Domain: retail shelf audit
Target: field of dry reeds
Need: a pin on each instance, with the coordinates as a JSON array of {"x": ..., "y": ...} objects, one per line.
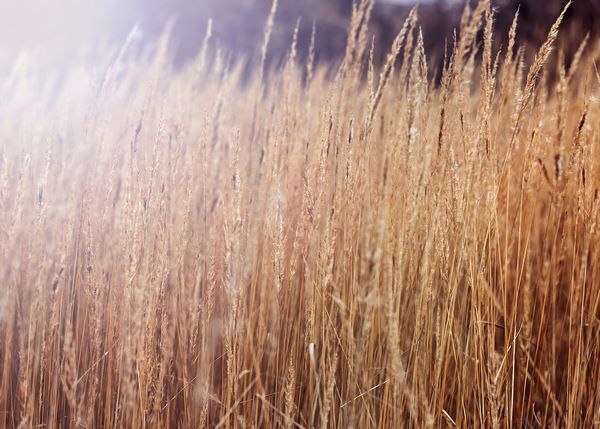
[{"x": 308, "y": 246}]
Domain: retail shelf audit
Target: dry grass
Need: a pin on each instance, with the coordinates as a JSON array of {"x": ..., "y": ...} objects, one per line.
[{"x": 308, "y": 249}]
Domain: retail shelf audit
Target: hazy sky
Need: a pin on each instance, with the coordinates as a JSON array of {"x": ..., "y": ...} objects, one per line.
[{"x": 57, "y": 31}]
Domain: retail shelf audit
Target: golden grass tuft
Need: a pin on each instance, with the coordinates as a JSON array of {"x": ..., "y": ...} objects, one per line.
[{"x": 301, "y": 248}]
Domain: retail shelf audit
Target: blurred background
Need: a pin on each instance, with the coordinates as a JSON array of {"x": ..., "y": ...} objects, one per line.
[{"x": 58, "y": 33}]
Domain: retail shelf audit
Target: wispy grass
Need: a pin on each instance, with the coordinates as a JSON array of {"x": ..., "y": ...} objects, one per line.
[{"x": 305, "y": 249}]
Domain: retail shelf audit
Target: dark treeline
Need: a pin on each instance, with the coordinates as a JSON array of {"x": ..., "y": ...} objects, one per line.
[{"x": 238, "y": 24}]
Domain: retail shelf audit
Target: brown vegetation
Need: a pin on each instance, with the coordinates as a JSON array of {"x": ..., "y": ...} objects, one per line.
[{"x": 356, "y": 249}]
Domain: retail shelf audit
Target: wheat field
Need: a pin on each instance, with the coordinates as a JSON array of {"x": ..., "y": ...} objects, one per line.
[{"x": 334, "y": 246}]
